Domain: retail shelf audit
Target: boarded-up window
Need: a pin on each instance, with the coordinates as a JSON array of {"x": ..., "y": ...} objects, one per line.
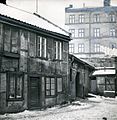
[
  {"x": 14, "y": 41},
  {"x": 50, "y": 86},
  {"x": 59, "y": 84},
  {"x": 24, "y": 40},
  {"x": 9, "y": 64},
  {"x": 11, "y": 39},
  {"x": 23, "y": 61},
  {"x": 32, "y": 44},
  {"x": 41, "y": 47},
  {"x": 7, "y": 32},
  {"x": 15, "y": 85}
]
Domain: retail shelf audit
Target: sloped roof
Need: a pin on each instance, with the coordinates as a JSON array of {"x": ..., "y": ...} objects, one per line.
[
  {"x": 82, "y": 61},
  {"x": 104, "y": 71},
  {"x": 30, "y": 18}
]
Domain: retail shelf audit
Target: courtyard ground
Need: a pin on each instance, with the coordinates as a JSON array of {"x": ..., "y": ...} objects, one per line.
[{"x": 93, "y": 108}]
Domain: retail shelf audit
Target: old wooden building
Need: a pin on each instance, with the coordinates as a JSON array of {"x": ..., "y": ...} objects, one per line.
[
  {"x": 79, "y": 77},
  {"x": 33, "y": 61},
  {"x": 104, "y": 81}
]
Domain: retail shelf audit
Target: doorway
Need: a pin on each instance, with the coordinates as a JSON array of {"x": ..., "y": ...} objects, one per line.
[
  {"x": 77, "y": 79},
  {"x": 34, "y": 92}
]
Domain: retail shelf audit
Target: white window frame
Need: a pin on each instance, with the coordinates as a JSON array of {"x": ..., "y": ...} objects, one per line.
[
  {"x": 81, "y": 18},
  {"x": 71, "y": 18},
  {"x": 72, "y": 31},
  {"x": 96, "y": 32},
  {"x": 81, "y": 48},
  {"x": 71, "y": 48},
  {"x": 112, "y": 17},
  {"x": 40, "y": 47},
  {"x": 112, "y": 32},
  {"x": 58, "y": 50},
  {"x": 81, "y": 33},
  {"x": 96, "y": 18},
  {"x": 97, "y": 47}
]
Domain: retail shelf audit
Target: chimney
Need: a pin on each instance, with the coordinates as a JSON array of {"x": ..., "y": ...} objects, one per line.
[
  {"x": 70, "y": 6},
  {"x": 106, "y": 3}
]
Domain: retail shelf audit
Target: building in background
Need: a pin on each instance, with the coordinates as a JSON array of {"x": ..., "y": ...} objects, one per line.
[{"x": 94, "y": 33}]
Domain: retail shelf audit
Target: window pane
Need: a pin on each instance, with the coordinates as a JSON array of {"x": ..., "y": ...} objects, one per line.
[
  {"x": 19, "y": 86},
  {"x": 47, "y": 92},
  {"x": 52, "y": 86},
  {"x": 52, "y": 92},
  {"x": 47, "y": 86},
  {"x": 48, "y": 80},
  {"x": 12, "y": 86}
]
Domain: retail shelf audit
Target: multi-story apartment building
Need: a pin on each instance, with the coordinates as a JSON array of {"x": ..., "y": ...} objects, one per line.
[{"x": 93, "y": 31}]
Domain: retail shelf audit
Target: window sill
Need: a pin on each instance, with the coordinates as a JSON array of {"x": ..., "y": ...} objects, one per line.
[
  {"x": 15, "y": 99},
  {"x": 9, "y": 54},
  {"x": 52, "y": 96},
  {"x": 57, "y": 60}
]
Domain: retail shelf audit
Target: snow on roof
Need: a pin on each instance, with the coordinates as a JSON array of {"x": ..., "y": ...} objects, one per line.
[
  {"x": 104, "y": 72},
  {"x": 30, "y": 18}
]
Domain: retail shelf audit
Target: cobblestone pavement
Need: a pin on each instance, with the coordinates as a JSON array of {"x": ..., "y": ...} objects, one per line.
[{"x": 89, "y": 110}]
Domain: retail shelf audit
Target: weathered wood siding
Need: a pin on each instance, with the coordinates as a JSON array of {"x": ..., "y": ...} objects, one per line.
[{"x": 25, "y": 61}]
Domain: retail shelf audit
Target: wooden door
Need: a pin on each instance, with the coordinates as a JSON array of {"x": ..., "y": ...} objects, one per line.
[
  {"x": 77, "y": 85},
  {"x": 34, "y": 92}
]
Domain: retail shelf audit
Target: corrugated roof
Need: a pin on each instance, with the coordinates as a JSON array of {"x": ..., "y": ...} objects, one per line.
[{"x": 30, "y": 18}]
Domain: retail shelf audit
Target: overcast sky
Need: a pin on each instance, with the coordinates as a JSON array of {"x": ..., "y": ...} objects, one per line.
[{"x": 54, "y": 10}]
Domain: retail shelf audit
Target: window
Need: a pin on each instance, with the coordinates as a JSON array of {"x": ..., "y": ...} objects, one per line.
[
  {"x": 41, "y": 47},
  {"x": 15, "y": 85},
  {"x": 96, "y": 32},
  {"x": 81, "y": 18},
  {"x": 112, "y": 18},
  {"x": 58, "y": 50},
  {"x": 71, "y": 48},
  {"x": 59, "y": 85},
  {"x": 96, "y": 47},
  {"x": 112, "y": 32},
  {"x": 11, "y": 39},
  {"x": 72, "y": 19},
  {"x": 80, "y": 48},
  {"x": 81, "y": 33},
  {"x": 72, "y": 31},
  {"x": 50, "y": 86},
  {"x": 96, "y": 18},
  {"x": 32, "y": 44},
  {"x": 53, "y": 86}
]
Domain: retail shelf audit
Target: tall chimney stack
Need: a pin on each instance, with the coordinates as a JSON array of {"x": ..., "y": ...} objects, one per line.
[{"x": 106, "y": 3}]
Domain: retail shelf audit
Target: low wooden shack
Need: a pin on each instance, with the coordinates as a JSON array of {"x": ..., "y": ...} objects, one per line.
[
  {"x": 79, "y": 77},
  {"x": 33, "y": 61},
  {"x": 104, "y": 82}
]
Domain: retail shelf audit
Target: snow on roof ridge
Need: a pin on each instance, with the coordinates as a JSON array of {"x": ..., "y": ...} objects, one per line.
[
  {"x": 40, "y": 22},
  {"x": 50, "y": 22}
]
